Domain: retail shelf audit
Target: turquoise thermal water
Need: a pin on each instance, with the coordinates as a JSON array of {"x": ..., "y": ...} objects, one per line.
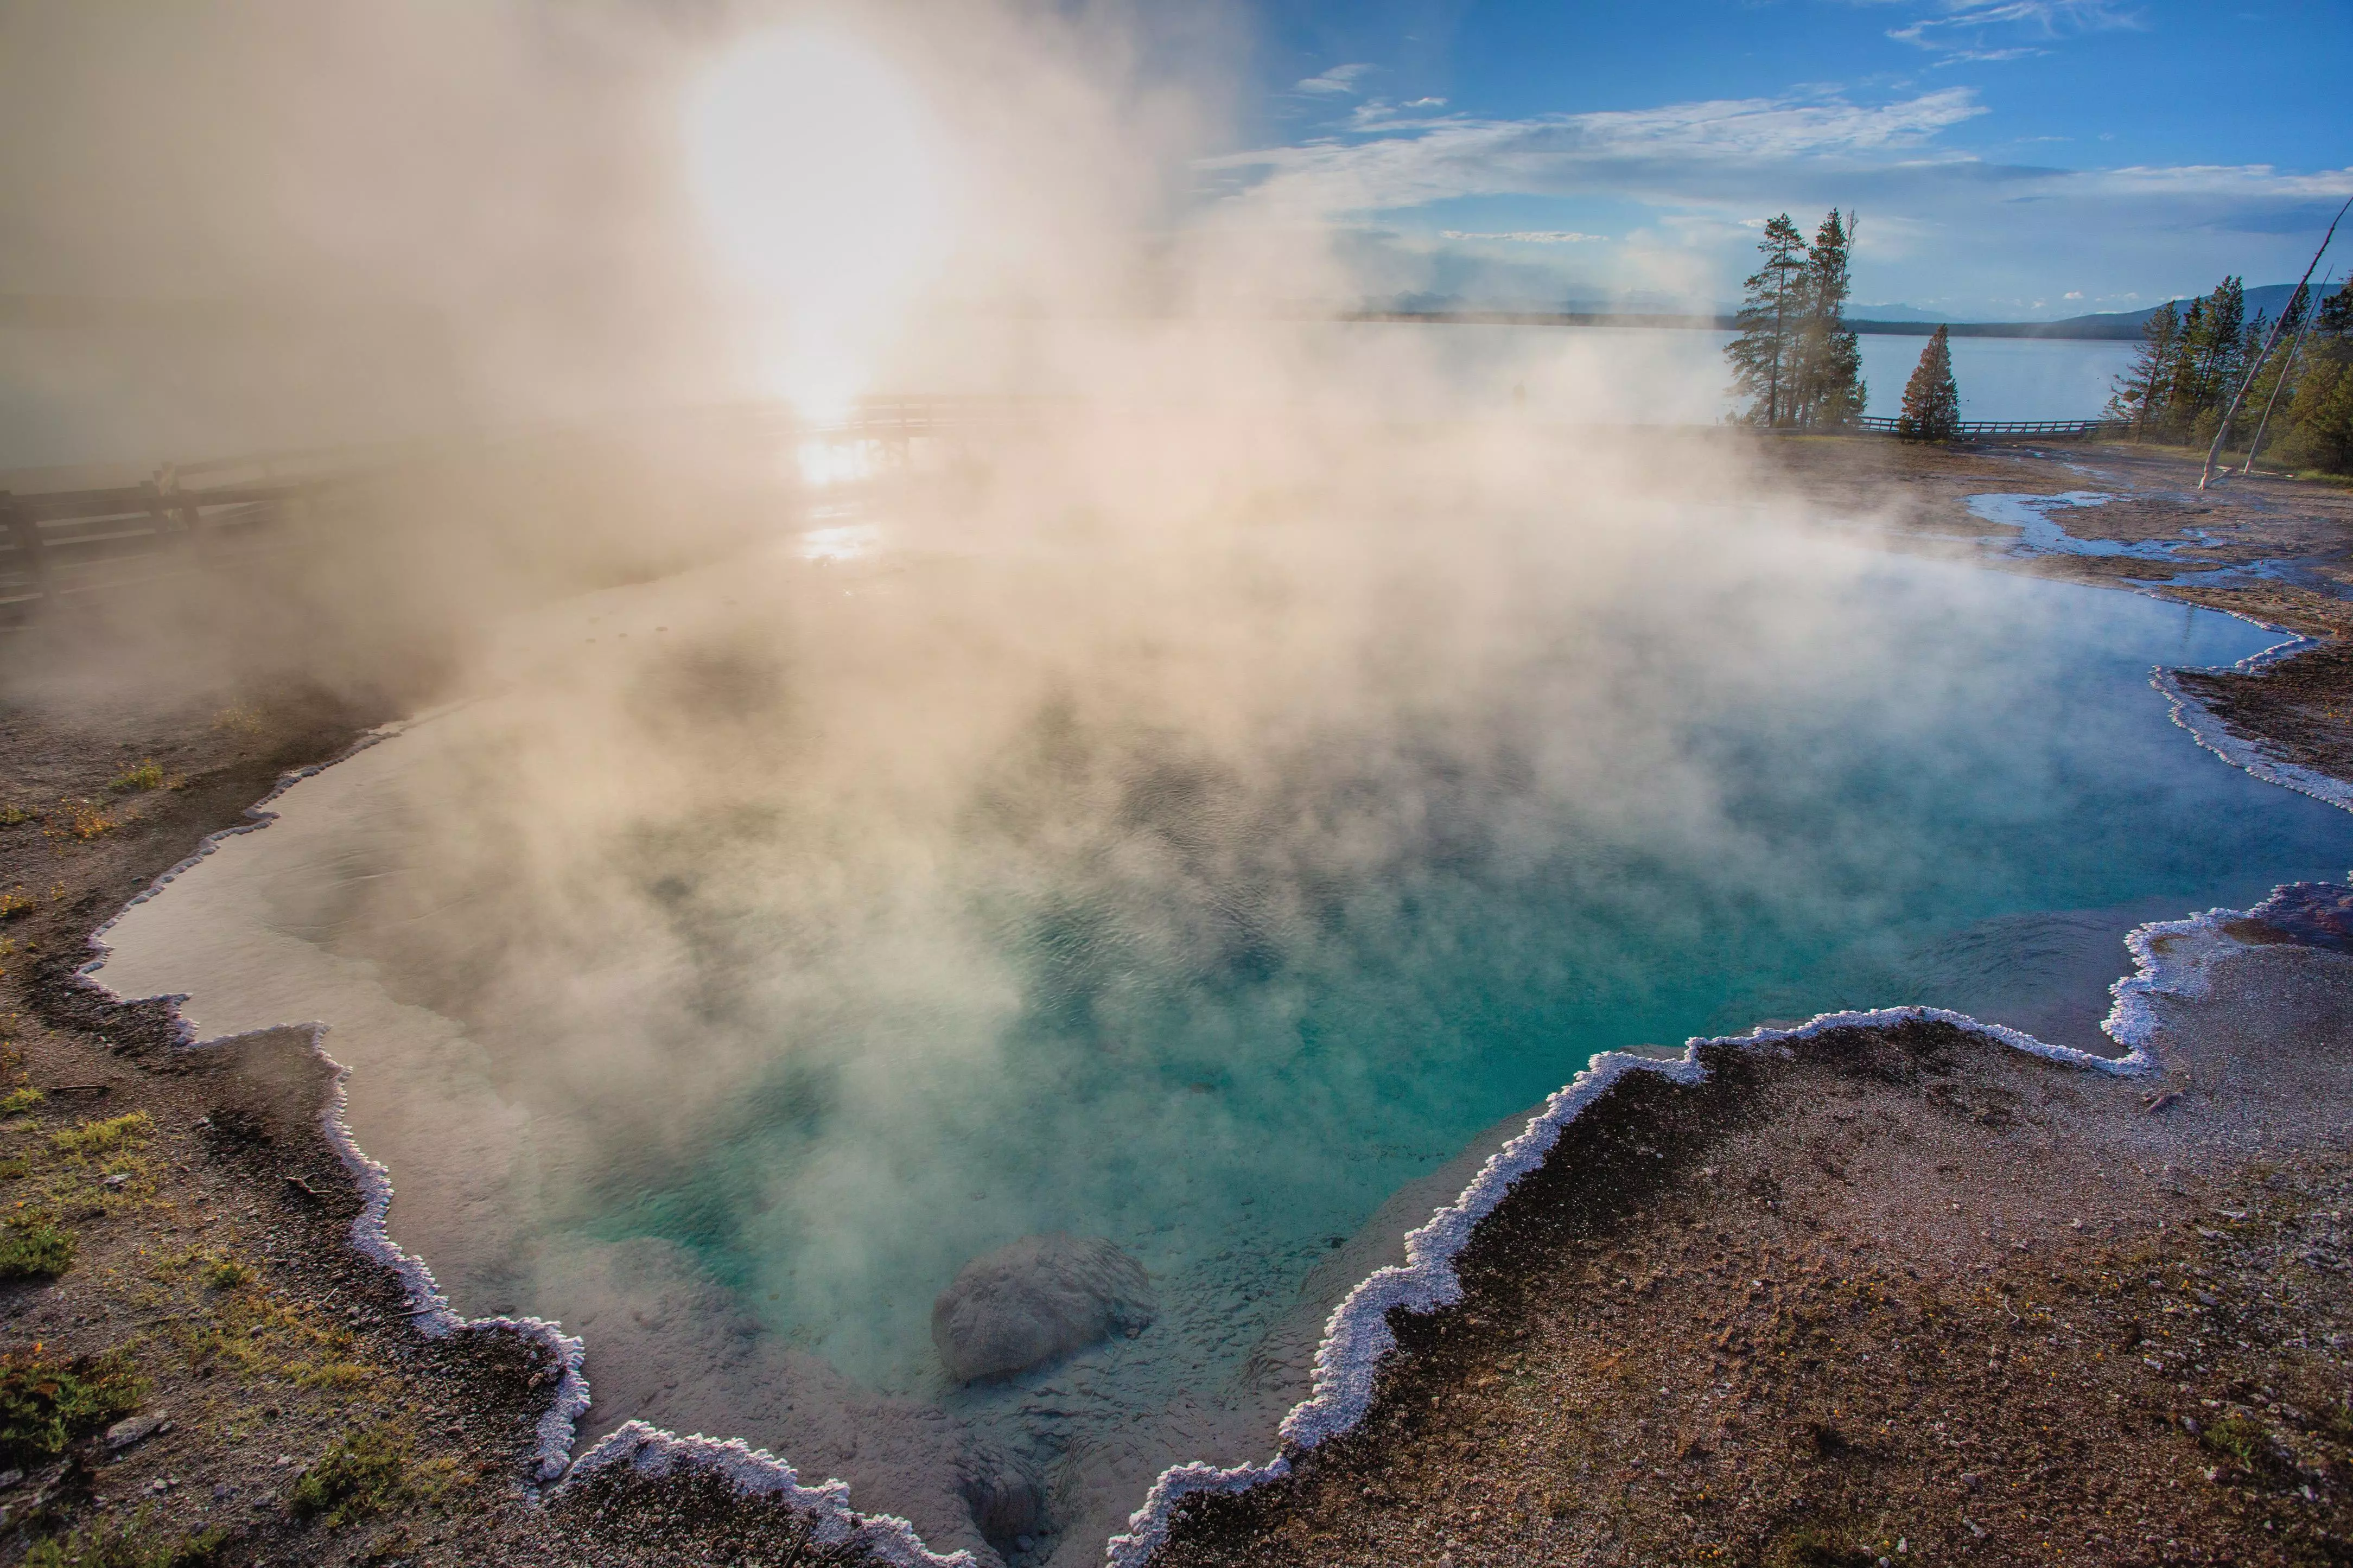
[
  {"x": 1224, "y": 1055},
  {"x": 812, "y": 930}
]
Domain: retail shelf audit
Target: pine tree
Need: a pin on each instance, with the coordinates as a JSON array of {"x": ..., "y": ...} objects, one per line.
[
  {"x": 2279, "y": 374},
  {"x": 1830, "y": 393},
  {"x": 2181, "y": 392},
  {"x": 2320, "y": 421},
  {"x": 2213, "y": 343},
  {"x": 2140, "y": 393},
  {"x": 1763, "y": 356},
  {"x": 1932, "y": 399}
]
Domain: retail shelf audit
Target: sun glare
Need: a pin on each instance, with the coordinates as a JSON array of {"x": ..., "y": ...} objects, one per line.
[{"x": 817, "y": 169}]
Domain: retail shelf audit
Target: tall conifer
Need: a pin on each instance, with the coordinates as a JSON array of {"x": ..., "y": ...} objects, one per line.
[
  {"x": 1830, "y": 358},
  {"x": 1764, "y": 356},
  {"x": 1932, "y": 399}
]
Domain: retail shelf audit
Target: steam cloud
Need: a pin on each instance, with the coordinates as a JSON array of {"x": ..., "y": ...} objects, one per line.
[{"x": 1184, "y": 814}]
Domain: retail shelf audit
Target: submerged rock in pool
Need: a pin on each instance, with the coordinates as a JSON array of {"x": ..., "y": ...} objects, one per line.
[{"x": 1041, "y": 1297}]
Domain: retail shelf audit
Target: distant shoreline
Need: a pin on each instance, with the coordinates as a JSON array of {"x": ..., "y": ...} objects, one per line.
[{"x": 2076, "y": 331}]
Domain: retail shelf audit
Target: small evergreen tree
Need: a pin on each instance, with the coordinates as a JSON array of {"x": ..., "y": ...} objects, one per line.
[
  {"x": 2140, "y": 393},
  {"x": 1932, "y": 399},
  {"x": 1763, "y": 356},
  {"x": 1830, "y": 391}
]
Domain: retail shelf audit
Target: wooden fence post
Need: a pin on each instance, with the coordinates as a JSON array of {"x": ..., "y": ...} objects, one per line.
[{"x": 166, "y": 525}]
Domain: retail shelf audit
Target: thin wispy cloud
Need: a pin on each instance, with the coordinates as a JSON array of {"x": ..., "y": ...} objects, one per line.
[
  {"x": 1337, "y": 81},
  {"x": 1417, "y": 160},
  {"x": 1971, "y": 30},
  {"x": 1526, "y": 236}
]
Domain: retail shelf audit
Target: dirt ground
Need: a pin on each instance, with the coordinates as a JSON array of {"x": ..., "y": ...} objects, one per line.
[{"x": 1903, "y": 1297}]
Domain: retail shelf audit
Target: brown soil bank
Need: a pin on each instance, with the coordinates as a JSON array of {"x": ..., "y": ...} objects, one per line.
[{"x": 1904, "y": 1295}]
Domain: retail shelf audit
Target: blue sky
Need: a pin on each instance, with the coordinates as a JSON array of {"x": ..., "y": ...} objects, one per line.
[{"x": 2010, "y": 158}]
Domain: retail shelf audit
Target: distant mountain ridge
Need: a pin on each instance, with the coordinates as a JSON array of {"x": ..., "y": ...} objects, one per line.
[{"x": 2270, "y": 298}]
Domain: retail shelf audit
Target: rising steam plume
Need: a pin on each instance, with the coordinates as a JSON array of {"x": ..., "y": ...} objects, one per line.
[{"x": 1186, "y": 811}]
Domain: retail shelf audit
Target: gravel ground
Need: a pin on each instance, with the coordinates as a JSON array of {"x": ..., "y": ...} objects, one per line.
[{"x": 1905, "y": 1297}]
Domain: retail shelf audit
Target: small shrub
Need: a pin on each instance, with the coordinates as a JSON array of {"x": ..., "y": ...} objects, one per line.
[
  {"x": 104, "y": 1137},
  {"x": 227, "y": 1274},
  {"x": 35, "y": 1250},
  {"x": 15, "y": 904},
  {"x": 147, "y": 775},
  {"x": 365, "y": 1473},
  {"x": 19, "y": 1099},
  {"x": 88, "y": 820},
  {"x": 2241, "y": 1440},
  {"x": 241, "y": 719},
  {"x": 15, "y": 816},
  {"x": 45, "y": 1406}
]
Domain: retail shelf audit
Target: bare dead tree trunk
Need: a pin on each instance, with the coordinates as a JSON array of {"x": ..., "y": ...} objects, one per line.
[
  {"x": 2206, "y": 475},
  {"x": 2294, "y": 347}
]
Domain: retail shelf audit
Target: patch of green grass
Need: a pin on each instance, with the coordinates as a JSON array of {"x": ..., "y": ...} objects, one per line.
[
  {"x": 104, "y": 1137},
  {"x": 365, "y": 1473},
  {"x": 128, "y": 1543},
  {"x": 226, "y": 1274},
  {"x": 19, "y": 1099},
  {"x": 34, "y": 1247},
  {"x": 47, "y": 1404},
  {"x": 145, "y": 774},
  {"x": 15, "y": 815},
  {"x": 2240, "y": 1439}
]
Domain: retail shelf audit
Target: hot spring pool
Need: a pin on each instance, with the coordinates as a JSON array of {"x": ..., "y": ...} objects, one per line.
[{"x": 759, "y": 946}]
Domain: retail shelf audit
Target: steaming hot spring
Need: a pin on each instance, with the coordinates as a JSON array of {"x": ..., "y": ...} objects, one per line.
[{"x": 955, "y": 994}]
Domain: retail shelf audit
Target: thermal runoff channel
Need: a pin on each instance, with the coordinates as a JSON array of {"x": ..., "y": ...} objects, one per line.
[{"x": 1100, "y": 884}]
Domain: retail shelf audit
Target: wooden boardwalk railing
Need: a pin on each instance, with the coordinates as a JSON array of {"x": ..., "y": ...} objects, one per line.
[
  {"x": 56, "y": 544},
  {"x": 59, "y": 542},
  {"x": 2018, "y": 429}
]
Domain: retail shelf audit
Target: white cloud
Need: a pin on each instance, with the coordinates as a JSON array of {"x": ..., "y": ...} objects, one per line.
[
  {"x": 1526, "y": 236},
  {"x": 1410, "y": 161},
  {"x": 1967, "y": 30},
  {"x": 1938, "y": 219},
  {"x": 1338, "y": 80}
]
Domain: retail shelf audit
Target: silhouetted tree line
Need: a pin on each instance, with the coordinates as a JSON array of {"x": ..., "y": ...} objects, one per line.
[
  {"x": 2190, "y": 362},
  {"x": 1793, "y": 360}
]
